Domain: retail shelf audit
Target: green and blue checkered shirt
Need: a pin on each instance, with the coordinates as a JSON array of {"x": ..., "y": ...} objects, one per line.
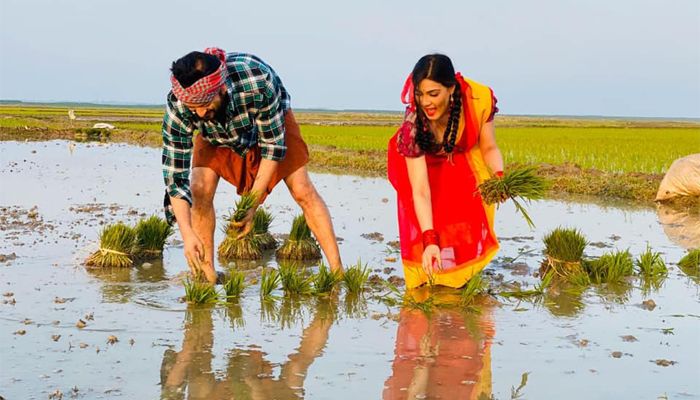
[{"x": 255, "y": 109}]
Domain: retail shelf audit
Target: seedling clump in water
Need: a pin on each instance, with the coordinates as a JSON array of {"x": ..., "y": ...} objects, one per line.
[
  {"x": 151, "y": 235},
  {"x": 117, "y": 244},
  {"x": 247, "y": 247},
  {"x": 300, "y": 245}
]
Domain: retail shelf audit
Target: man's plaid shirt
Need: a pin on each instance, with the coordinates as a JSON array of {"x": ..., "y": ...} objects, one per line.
[{"x": 255, "y": 109}]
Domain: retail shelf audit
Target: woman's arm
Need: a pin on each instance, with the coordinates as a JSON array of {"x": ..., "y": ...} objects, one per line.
[
  {"x": 489, "y": 148},
  {"x": 422, "y": 205}
]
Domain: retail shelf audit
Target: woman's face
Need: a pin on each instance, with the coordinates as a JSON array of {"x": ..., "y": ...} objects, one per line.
[{"x": 433, "y": 98}]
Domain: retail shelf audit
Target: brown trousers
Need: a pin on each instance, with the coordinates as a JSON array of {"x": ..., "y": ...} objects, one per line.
[{"x": 241, "y": 171}]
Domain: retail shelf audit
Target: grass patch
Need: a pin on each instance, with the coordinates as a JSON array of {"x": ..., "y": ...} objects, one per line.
[
  {"x": 117, "y": 244},
  {"x": 151, "y": 235},
  {"x": 690, "y": 264},
  {"x": 300, "y": 245},
  {"x": 269, "y": 282},
  {"x": 476, "y": 286},
  {"x": 518, "y": 184},
  {"x": 612, "y": 267},
  {"x": 234, "y": 285},
  {"x": 199, "y": 292},
  {"x": 355, "y": 278},
  {"x": 650, "y": 265},
  {"x": 564, "y": 250},
  {"x": 538, "y": 290},
  {"x": 325, "y": 280},
  {"x": 294, "y": 279}
]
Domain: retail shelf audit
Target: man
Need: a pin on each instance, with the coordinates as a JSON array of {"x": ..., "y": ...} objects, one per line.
[{"x": 247, "y": 135}]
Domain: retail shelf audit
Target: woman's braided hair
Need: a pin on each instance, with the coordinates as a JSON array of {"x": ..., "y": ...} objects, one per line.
[{"x": 438, "y": 68}]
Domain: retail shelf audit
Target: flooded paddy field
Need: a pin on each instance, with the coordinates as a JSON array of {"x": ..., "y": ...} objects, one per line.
[{"x": 79, "y": 333}]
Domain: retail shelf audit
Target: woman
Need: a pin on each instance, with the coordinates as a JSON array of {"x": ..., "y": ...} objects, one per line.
[{"x": 441, "y": 153}]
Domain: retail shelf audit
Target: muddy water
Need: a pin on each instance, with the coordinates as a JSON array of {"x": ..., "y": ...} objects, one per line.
[{"x": 56, "y": 196}]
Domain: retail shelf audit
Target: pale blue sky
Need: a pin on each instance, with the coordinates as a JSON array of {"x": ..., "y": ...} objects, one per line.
[{"x": 592, "y": 57}]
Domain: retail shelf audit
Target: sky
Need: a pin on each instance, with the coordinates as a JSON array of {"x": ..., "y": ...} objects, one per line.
[{"x": 543, "y": 57}]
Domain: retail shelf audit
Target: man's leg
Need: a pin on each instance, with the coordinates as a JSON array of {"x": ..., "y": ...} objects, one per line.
[
  {"x": 317, "y": 216},
  {"x": 203, "y": 184}
]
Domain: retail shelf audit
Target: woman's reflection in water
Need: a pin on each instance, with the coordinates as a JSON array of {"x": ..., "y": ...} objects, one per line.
[{"x": 442, "y": 355}]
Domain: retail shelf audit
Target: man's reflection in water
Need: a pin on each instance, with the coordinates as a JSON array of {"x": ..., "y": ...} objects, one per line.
[
  {"x": 444, "y": 355},
  {"x": 188, "y": 373}
]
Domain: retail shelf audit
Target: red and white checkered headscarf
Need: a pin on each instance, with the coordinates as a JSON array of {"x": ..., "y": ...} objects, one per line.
[{"x": 204, "y": 90}]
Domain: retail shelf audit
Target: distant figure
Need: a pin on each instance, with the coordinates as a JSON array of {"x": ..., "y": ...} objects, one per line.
[
  {"x": 441, "y": 153},
  {"x": 71, "y": 115},
  {"x": 247, "y": 135}
]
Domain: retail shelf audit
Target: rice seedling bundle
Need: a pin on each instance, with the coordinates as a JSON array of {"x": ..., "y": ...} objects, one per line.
[
  {"x": 151, "y": 235},
  {"x": 518, "y": 184},
  {"x": 326, "y": 280},
  {"x": 564, "y": 250},
  {"x": 651, "y": 265},
  {"x": 234, "y": 285},
  {"x": 294, "y": 279},
  {"x": 355, "y": 278},
  {"x": 261, "y": 226},
  {"x": 198, "y": 292},
  {"x": 611, "y": 267},
  {"x": 117, "y": 244},
  {"x": 247, "y": 247},
  {"x": 300, "y": 245}
]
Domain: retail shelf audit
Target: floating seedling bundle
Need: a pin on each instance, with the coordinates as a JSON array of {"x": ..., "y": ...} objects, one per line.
[
  {"x": 564, "y": 251},
  {"x": 519, "y": 184},
  {"x": 151, "y": 235},
  {"x": 300, "y": 245},
  {"x": 117, "y": 246},
  {"x": 247, "y": 247},
  {"x": 261, "y": 226}
]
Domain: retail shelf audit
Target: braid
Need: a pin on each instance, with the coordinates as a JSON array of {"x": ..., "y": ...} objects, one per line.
[
  {"x": 424, "y": 138},
  {"x": 450, "y": 137}
]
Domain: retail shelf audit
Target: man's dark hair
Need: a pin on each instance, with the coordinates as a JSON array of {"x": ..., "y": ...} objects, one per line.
[{"x": 194, "y": 66}]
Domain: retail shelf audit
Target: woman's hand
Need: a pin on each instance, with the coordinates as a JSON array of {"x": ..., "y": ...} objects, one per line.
[{"x": 431, "y": 256}]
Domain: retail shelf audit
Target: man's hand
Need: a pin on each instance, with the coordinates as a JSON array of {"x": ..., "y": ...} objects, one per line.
[
  {"x": 246, "y": 224},
  {"x": 194, "y": 253},
  {"x": 431, "y": 255}
]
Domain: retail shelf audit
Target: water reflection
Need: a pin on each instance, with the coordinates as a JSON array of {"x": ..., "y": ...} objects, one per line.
[
  {"x": 120, "y": 285},
  {"x": 442, "y": 354},
  {"x": 188, "y": 374},
  {"x": 681, "y": 225}
]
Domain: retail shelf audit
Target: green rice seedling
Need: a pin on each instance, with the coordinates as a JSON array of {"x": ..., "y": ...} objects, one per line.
[
  {"x": 198, "y": 292},
  {"x": 300, "y": 245},
  {"x": 650, "y": 265},
  {"x": 538, "y": 290},
  {"x": 611, "y": 267},
  {"x": 234, "y": 285},
  {"x": 269, "y": 282},
  {"x": 564, "y": 250},
  {"x": 117, "y": 243},
  {"x": 294, "y": 279},
  {"x": 690, "y": 264},
  {"x": 355, "y": 278},
  {"x": 151, "y": 235},
  {"x": 518, "y": 184},
  {"x": 475, "y": 287},
  {"x": 247, "y": 247},
  {"x": 261, "y": 225},
  {"x": 326, "y": 280}
]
